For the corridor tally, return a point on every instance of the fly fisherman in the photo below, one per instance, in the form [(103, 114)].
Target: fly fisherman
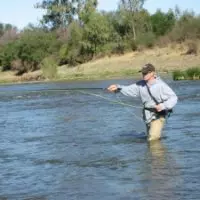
[(157, 97)]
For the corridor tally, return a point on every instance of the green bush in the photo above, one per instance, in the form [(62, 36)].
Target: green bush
[(162, 22), (34, 47), (118, 49), (49, 67), (97, 31), (7, 55), (31, 48), (186, 27), (146, 39), (133, 45), (178, 75), (70, 52), (193, 73)]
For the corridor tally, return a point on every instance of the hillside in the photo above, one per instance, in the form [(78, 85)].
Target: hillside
[(165, 59)]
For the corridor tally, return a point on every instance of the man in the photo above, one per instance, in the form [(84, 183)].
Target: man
[(157, 97)]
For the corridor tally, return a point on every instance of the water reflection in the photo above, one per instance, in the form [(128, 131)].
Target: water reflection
[(162, 173)]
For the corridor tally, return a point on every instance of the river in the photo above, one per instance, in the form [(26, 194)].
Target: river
[(64, 141)]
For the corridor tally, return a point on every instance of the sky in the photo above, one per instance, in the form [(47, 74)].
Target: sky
[(22, 12)]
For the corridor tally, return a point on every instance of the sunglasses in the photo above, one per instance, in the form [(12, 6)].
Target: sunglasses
[(145, 73)]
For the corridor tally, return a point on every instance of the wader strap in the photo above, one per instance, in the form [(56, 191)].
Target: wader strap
[(151, 94), (161, 113)]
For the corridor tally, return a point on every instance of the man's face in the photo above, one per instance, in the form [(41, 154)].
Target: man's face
[(148, 76)]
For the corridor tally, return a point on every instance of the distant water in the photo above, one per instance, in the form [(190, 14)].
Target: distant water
[(64, 144)]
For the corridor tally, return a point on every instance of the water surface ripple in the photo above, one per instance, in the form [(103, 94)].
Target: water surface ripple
[(58, 143)]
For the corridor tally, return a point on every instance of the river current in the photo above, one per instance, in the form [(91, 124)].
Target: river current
[(60, 141)]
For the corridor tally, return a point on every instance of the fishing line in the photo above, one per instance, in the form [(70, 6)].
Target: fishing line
[(48, 90), (129, 111), (116, 102), (102, 97), (81, 90)]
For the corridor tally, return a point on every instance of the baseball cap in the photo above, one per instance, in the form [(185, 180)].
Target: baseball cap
[(147, 68)]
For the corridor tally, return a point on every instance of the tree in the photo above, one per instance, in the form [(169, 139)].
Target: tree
[(86, 9), (97, 31), (29, 50), (117, 23), (59, 12), (187, 27), (70, 51), (130, 9), (5, 28), (1, 29), (162, 22)]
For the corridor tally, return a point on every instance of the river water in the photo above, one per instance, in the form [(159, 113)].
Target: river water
[(60, 141)]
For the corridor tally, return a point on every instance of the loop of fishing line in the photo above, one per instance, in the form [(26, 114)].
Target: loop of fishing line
[(129, 111), (116, 102)]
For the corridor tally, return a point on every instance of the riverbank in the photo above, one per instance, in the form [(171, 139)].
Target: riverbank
[(166, 60)]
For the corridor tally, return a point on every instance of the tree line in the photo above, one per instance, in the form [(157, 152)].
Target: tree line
[(74, 31)]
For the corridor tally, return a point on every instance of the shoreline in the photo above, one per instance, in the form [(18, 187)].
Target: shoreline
[(166, 60), (83, 78), (92, 78)]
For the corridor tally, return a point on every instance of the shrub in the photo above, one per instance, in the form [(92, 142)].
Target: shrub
[(162, 22), (71, 52), (133, 45), (193, 73), (163, 41), (33, 47), (9, 36), (146, 39), (16, 64), (186, 27), (118, 49), (192, 48), (8, 54), (49, 67), (178, 75)]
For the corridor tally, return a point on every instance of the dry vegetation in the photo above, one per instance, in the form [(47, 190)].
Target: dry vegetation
[(165, 59)]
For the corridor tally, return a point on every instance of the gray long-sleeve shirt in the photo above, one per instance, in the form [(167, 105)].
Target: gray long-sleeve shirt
[(159, 90)]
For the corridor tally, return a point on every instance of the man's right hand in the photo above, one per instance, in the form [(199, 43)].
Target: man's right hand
[(112, 88)]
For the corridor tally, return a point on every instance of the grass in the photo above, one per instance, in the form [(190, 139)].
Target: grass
[(167, 60), (49, 68), (74, 74), (189, 74), (193, 73), (178, 75)]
